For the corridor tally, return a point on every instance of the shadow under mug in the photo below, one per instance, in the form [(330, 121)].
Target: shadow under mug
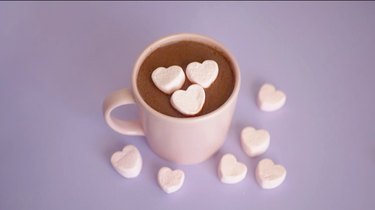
[(180, 140)]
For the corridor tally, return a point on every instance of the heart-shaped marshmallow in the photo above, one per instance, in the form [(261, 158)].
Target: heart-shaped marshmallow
[(269, 175), (189, 102), (168, 79), (127, 162), (254, 142), (204, 73), (270, 99), (170, 181), (230, 170)]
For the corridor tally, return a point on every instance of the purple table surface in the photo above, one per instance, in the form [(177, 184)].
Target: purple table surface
[(58, 60)]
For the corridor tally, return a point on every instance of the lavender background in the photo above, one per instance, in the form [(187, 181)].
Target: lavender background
[(58, 60)]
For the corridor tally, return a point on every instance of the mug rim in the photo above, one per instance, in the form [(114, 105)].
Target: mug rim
[(177, 38)]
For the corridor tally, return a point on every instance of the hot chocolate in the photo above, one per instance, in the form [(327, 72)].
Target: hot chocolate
[(181, 54)]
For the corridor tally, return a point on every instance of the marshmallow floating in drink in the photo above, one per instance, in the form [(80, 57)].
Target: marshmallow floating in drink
[(168, 79), (204, 73), (189, 102)]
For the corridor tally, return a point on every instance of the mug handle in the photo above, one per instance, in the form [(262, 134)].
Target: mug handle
[(116, 99)]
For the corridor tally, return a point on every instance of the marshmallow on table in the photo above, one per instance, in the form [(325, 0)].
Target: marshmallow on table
[(168, 79), (230, 170), (170, 181), (254, 142), (269, 175), (127, 162), (270, 99), (204, 73), (189, 102)]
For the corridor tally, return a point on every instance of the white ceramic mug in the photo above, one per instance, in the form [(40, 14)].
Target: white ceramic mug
[(180, 140)]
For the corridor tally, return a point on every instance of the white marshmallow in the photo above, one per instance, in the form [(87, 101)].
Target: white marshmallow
[(127, 162), (168, 79), (270, 99), (230, 170), (204, 73), (170, 181), (189, 102), (269, 175), (254, 142)]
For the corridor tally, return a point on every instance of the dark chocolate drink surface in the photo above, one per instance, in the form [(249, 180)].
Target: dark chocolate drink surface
[(182, 53)]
